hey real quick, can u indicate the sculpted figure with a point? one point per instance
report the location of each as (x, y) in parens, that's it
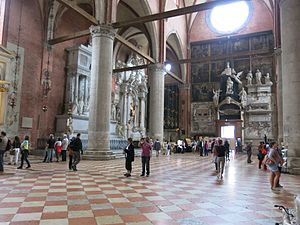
(249, 78)
(268, 79)
(216, 97)
(243, 97)
(258, 76)
(229, 86)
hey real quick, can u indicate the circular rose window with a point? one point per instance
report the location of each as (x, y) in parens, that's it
(230, 17)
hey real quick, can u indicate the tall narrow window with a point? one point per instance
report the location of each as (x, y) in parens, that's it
(2, 12)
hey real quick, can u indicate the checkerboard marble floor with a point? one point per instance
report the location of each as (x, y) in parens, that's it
(181, 189)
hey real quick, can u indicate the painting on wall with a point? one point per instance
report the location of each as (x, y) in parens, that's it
(240, 45)
(200, 51)
(262, 42)
(203, 92)
(200, 73)
(216, 69)
(264, 64)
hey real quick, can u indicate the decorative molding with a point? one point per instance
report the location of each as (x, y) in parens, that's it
(103, 31)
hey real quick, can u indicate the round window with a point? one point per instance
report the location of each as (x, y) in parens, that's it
(230, 17)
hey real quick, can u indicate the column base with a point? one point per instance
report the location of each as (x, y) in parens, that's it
(294, 165)
(98, 155)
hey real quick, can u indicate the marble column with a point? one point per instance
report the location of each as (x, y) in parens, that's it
(290, 38)
(100, 98)
(157, 85)
(279, 95)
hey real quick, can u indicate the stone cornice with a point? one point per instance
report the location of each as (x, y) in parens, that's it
(103, 31)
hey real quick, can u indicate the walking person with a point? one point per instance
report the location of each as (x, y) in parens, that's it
(272, 161)
(25, 153)
(220, 159)
(77, 149)
(146, 155)
(71, 153)
(129, 157)
(3, 147)
(64, 147)
(15, 151)
(157, 147)
(168, 148)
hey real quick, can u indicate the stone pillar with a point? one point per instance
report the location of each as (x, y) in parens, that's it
(101, 87)
(290, 36)
(157, 85)
(279, 95)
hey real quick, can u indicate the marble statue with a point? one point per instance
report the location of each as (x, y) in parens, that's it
(258, 77)
(120, 130)
(229, 86)
(243, 97)
(113, 111)
(216, 97)
(268, 79)
(249, 78)
(80, 106)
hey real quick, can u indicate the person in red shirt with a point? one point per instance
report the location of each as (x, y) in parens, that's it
(146, 155)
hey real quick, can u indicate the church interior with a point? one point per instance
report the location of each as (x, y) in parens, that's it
(177, 71)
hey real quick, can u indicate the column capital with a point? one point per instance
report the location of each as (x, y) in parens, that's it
(157, 67)
(103, 31)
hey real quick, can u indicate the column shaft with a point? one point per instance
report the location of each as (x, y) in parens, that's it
(101, 87)
(156, 80)
(290, 23)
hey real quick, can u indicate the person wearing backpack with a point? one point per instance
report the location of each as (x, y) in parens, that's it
(3, 149)
(25, 153)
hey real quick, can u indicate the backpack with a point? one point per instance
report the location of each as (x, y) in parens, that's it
(8, 145)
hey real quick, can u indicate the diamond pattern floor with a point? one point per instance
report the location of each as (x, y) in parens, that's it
(182, 189)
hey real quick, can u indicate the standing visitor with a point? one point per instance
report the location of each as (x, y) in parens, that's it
(58, 147)
(129, 157)
(49, 149)
(168, 148)
(3, 147)
(77, 149)
(272, 161)
(249, 152)
(146, 154)
(205, 148)
(157, 147)
(14, 153)
(25, 153)
(64, 147)
(262, 151)
(227, 149)
(71, 153)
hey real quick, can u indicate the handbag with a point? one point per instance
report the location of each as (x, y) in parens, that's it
(267, 160)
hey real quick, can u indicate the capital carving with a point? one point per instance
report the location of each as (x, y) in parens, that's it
(103, 31)
(158, 67)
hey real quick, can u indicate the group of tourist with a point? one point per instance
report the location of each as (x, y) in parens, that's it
(60, 146)
(14, 148)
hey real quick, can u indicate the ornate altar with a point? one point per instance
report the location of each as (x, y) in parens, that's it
(128, 108)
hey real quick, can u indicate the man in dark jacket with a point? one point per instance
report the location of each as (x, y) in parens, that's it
(129, 155)
(77, 148)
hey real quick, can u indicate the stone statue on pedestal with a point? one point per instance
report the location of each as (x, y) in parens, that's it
(258, 77)
(249, 78)
(243, 97)
(268, 79)
(216, 97)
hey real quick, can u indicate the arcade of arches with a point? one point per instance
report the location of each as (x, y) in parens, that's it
(168, 69)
